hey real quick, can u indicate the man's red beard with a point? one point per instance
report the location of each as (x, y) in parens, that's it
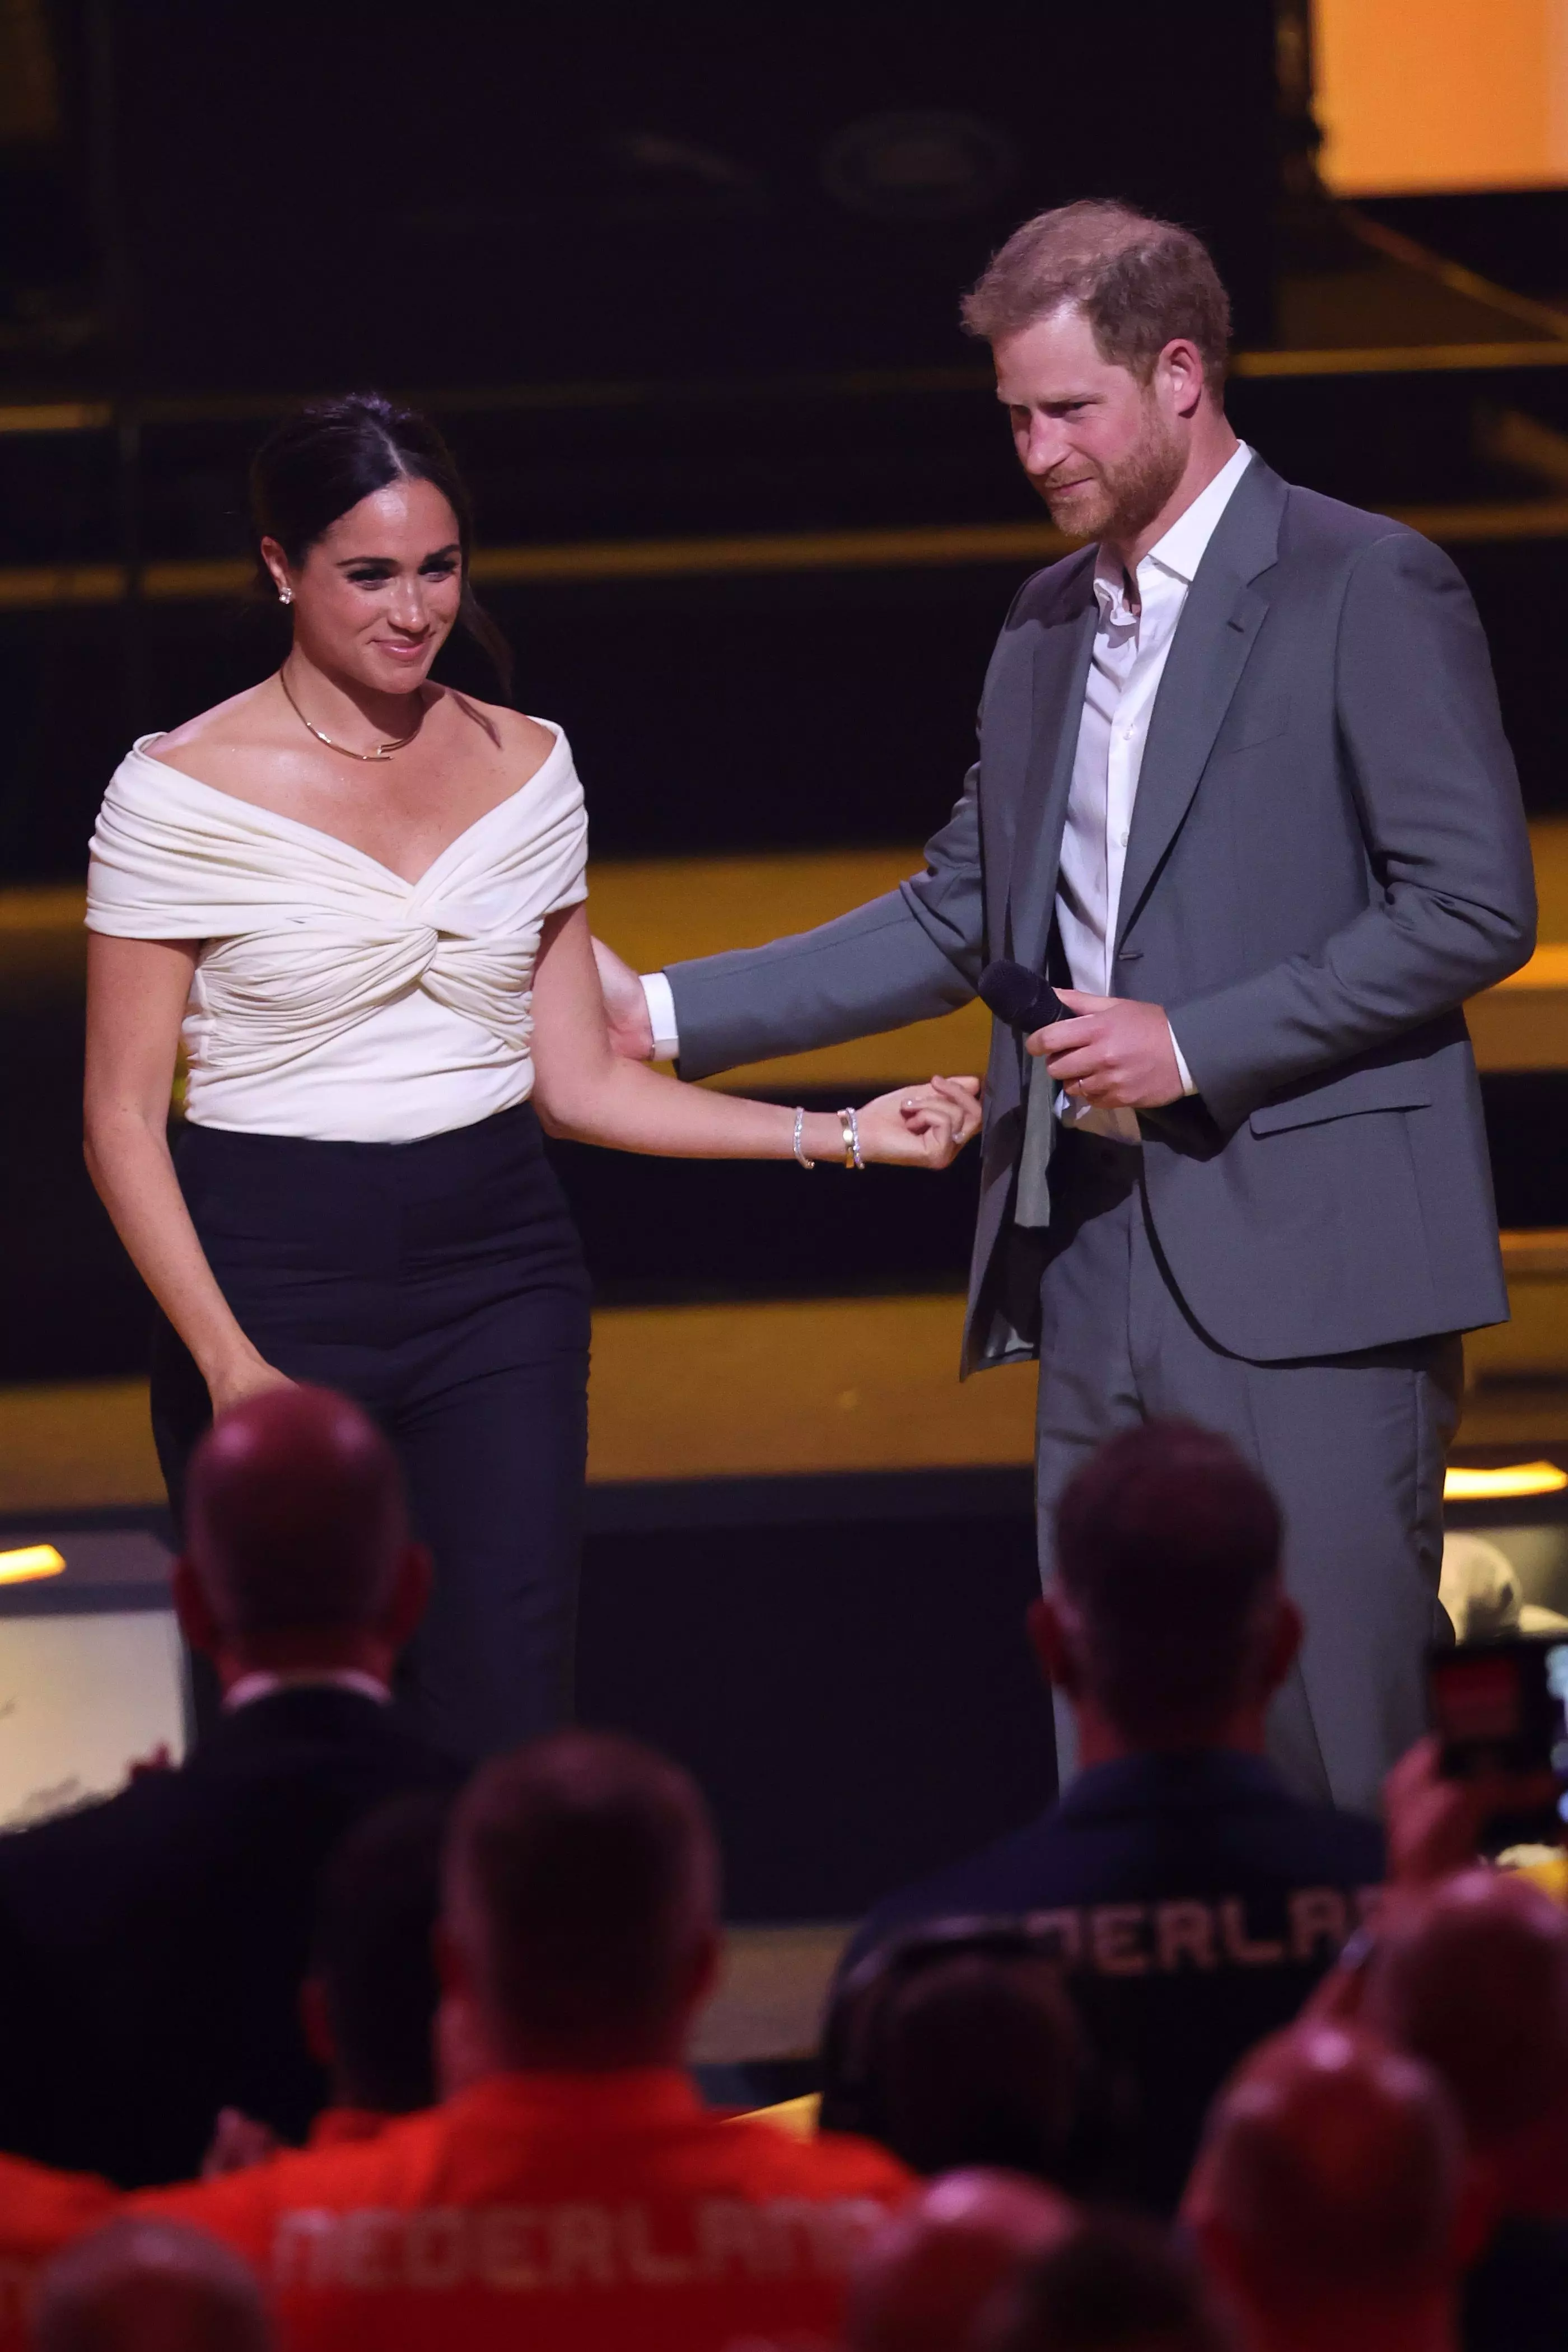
(1119, 499)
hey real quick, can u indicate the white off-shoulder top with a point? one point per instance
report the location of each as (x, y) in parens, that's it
(331, 999)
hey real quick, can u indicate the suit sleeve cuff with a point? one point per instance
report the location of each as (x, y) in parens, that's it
(1181, 1070)
(660, 997)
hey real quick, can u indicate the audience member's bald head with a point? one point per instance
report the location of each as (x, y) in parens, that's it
(295, 1515)
(1329, 2175)
(920, 2283)
(1473, 1977)
(148, 2286)
(1118, 2283)
(582, 1894)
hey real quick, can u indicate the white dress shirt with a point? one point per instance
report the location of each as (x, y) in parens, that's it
(1130, 646)
(262, 1685)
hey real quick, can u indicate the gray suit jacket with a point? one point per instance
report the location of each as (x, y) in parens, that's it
(1327, 855)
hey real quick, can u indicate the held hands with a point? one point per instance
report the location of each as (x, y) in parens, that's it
(920, 1126)
(1115, 1052)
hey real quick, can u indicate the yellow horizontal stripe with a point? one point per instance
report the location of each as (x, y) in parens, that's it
(709, 1391)
(986, 543)
(56, 416)
(1394, 358)
(661, 911)
(781, 1389)
(39, 587)
(1401, 358)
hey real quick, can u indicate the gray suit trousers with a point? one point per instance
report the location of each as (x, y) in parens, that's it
(1353, 1446)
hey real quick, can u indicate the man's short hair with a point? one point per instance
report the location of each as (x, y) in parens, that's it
(1118, 2280)
(1333, 2164)
(139, 2283)
(295, 1514)
(1139, 282)
(980, 2060)
(1167, 1549)
(380, 1898)
(586, 1865)
(1474, 1979)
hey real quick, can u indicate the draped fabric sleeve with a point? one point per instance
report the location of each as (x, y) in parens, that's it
(142, 881)
(331, 997)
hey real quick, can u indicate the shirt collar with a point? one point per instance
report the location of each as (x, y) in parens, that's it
(1202, 1776)
(624, 2097)
(1183, 548)
(250, 1687)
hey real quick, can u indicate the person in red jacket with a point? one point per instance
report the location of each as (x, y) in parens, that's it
(571, 2185)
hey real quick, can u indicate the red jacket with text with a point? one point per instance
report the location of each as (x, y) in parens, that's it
(567, 2211)
(40, 2212)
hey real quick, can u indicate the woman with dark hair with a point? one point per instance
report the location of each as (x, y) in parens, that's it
(358, 894)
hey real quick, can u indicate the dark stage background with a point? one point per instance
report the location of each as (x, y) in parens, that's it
(664, 272)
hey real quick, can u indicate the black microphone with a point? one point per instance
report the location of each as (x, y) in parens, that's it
(1025, 1000)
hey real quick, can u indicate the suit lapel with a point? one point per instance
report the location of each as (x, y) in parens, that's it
(1219, 623)
(1060, 673)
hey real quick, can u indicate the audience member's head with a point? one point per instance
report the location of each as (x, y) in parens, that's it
(148, 2286)
(972, 2057)
(1168, 1626)
(1116, 2284)
(1328, 2194)
(580, 1905)
(297, 1548)
(372, 1994)
(1472, 1975)
(927, 2275)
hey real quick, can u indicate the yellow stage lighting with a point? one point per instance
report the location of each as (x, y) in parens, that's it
(32, 1559)
(1498, 1485)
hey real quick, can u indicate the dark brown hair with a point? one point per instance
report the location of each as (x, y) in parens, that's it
(318, 464)
(592, 1868)
(1167, 1543)
(1140, 283)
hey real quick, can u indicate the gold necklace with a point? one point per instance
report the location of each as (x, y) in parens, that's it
(381, 751)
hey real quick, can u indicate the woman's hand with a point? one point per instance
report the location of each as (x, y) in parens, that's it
(920, 1126)
(235, 1383)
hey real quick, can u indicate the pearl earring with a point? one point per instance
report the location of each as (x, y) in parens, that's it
(285, 595)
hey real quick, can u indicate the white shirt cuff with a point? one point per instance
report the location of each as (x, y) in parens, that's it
(1181, 1070)
(666, 1029)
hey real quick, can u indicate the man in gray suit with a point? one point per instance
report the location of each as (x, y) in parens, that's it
(1243, 783)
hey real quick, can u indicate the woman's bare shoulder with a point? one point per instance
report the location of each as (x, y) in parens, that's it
(246, 722)
(522, 742)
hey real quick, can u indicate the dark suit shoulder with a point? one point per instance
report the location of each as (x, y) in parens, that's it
(331, 1747)
(1313, 522)
(1044, 594)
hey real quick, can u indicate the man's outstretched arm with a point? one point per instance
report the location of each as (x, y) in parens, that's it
(911, 955)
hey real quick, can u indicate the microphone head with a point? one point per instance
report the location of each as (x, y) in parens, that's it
(1023, 999)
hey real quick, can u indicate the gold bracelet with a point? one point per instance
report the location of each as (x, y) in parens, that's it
(851, 1127)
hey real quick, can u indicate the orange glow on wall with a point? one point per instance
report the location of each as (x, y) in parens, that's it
(1428, 95)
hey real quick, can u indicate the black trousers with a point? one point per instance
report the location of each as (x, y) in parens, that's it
(441, 1285)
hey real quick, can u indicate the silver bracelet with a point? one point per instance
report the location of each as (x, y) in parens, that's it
(851, 1125)
(799, 1129)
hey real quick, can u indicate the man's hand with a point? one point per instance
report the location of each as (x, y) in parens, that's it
(238, 2141)
(625, 1006)
(1114, 1053)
